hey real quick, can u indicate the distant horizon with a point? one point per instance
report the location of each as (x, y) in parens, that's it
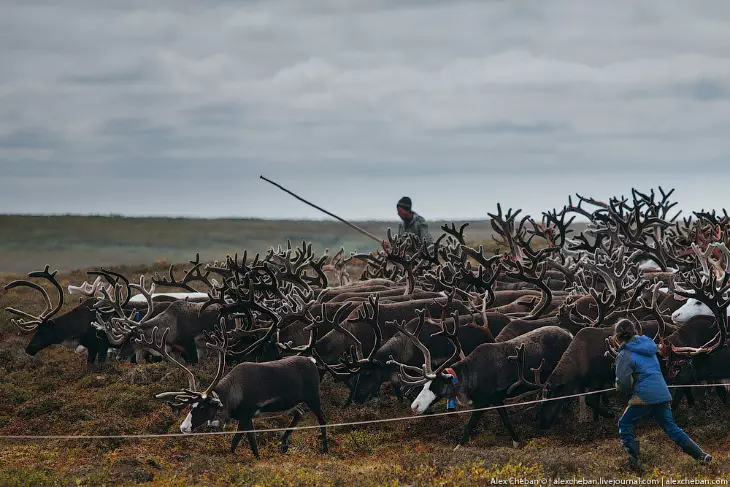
(191, 217)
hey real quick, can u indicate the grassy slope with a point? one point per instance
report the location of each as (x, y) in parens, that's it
(54, 394)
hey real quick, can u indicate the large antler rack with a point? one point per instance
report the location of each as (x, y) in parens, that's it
(529, 265)
(404, 252)
(554, 229)
(566, 265)
(29, 322)
(637, 304)
(338, 265)
(342, 370)
(620, 276)
(426, 373)
(121, 327)
(370, 317)
(268, 332)
(434, 255)
(289, 269)
(642, 224)
(707, 287)
(320, 278)
(113, 278)
(533, 273)
(536, 387)
(242, 299)
(151, 342)
(87, 289)
(216, 341)
(504, 225)
(192, 275)
(458, 235)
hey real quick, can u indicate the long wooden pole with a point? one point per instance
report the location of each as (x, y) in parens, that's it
(351, 225)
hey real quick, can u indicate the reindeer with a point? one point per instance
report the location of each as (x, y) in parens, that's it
(487, 375)
(72, 329)
(331, 346)
(247, 391)
(185, 321)
(366, 376)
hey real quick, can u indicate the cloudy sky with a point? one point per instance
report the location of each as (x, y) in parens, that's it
(176, 109)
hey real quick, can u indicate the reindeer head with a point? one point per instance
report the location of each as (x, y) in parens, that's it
(436, 383)
(204, 405)
(43, 323)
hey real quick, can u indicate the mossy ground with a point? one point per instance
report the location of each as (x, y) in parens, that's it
(54, 393)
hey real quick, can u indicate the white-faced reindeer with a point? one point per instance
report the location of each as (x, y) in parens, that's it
(487, 376)
(250, 390)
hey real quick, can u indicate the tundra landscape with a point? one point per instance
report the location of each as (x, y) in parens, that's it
(364, 242)
(547, 262)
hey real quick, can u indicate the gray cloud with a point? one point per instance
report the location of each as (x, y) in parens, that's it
(177, 108)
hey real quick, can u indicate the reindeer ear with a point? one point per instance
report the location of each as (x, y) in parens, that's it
(679, 298)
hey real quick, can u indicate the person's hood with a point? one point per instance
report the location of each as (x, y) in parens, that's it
(643, 345)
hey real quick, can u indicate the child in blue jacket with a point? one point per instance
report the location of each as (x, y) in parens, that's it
(638, 373)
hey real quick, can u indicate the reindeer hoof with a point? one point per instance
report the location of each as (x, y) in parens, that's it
(515, 444)
(457, 447)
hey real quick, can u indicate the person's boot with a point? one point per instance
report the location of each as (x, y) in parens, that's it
(692, 449)
(633, 450)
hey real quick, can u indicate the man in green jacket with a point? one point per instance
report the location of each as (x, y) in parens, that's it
(411, 222)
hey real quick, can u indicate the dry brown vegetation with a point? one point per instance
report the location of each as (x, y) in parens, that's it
(54, 394)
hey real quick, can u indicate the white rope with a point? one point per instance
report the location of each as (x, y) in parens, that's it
(332, 425)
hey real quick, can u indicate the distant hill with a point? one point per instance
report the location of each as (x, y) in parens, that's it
(75, 242)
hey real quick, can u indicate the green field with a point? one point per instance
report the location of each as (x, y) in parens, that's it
(75, 242)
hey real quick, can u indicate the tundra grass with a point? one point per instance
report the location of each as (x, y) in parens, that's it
(76, 242)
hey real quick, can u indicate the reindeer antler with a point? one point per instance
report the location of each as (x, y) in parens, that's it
(50, 311)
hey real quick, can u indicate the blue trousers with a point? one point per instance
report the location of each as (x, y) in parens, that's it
(662, 414)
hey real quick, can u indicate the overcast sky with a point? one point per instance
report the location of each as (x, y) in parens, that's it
(176, 107)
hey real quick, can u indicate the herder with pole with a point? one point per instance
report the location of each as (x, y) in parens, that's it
(411, 222)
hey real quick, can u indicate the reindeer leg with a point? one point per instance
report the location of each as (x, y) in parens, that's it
(473, 420)
(504, 416)
(251, 437)
(677, 398)
(243, 425)
(285, 437)
(581, 409)
(594, 402)
(90, 357)
(605, 401)
(237, 437)
(101, 353)
(317, 410)
(722, 394)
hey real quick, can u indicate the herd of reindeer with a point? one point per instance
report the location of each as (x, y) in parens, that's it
(439, 321)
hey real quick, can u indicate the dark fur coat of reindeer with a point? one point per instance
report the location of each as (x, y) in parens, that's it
(249, 390)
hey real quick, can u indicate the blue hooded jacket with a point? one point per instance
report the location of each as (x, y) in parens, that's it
(637, 368)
